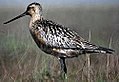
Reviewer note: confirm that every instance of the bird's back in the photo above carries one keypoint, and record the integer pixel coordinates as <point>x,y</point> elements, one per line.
<point>58,40</point>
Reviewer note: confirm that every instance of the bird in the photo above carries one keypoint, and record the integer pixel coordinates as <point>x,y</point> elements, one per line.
<point>55,39</point>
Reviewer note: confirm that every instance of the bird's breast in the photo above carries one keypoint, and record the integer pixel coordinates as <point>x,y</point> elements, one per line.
<point>37,35</point>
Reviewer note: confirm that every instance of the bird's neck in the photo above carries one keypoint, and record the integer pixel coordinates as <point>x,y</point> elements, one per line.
<point>35,18</point>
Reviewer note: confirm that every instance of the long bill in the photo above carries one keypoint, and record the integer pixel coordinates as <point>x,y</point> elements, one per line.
<point>19,16</point>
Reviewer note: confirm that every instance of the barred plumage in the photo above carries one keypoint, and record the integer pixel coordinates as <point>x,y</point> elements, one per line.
<point>56,39</point>
<point>61,40</point>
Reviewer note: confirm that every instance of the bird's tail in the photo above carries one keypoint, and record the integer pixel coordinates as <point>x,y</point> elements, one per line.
<point>100,50</point>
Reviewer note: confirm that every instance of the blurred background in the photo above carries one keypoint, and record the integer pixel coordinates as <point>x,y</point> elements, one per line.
<point>21,60</point>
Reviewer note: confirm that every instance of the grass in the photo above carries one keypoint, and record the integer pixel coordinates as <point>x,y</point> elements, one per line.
<point>21,60</point>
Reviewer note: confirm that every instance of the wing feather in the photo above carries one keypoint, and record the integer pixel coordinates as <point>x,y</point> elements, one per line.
<point>58,36</point>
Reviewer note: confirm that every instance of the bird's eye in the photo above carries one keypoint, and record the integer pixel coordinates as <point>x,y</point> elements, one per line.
<point>32,7</point>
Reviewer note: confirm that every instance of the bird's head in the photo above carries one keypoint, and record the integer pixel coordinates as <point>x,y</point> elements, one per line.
<point>32,10</point>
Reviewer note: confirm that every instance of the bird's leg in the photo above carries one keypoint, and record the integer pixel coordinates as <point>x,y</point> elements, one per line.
<point>63,66</point>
